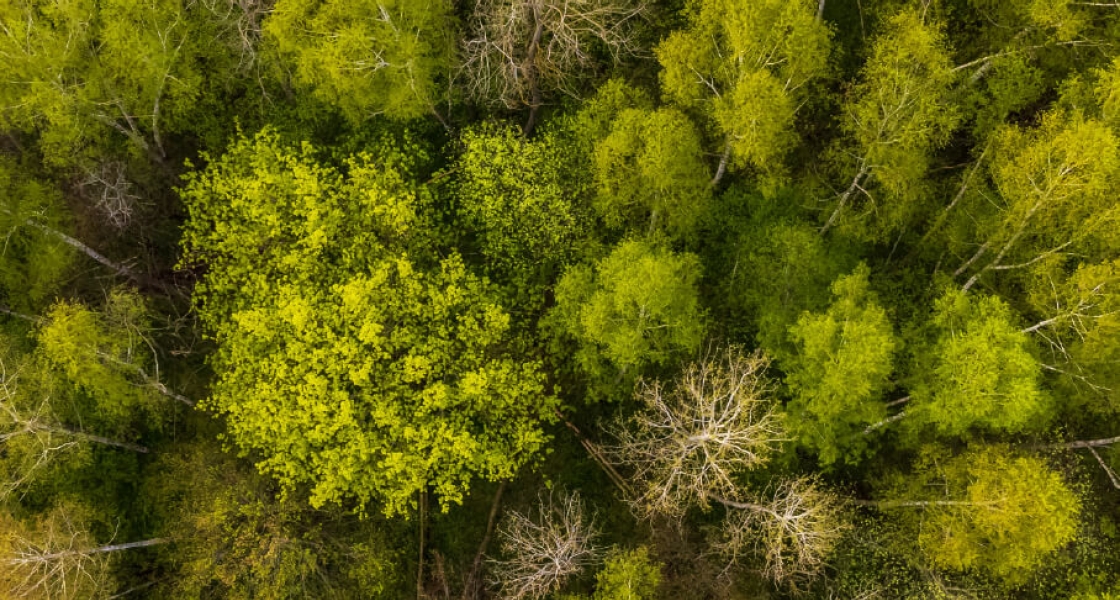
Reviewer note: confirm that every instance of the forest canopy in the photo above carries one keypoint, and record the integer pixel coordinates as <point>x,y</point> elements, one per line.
<point>568,299</point>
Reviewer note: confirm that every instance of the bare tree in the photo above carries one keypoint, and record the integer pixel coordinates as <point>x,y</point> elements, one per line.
<point>111,192</point>
<point>240,26</point>
<point>519,49</point>
<point>689,440</point>
<point>543,552</point>
<point>795,530</point>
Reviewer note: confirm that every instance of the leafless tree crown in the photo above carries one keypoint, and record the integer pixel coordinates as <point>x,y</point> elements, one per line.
<point>542,552</point>
<point>520,47</point>
<point>688,441</point>
<point>794,531</point>
<point>111,192</point>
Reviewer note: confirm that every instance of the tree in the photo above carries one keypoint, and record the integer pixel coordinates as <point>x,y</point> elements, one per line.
<point>639,305</point>
<point>989,509</point>
<point>236,539</point>
<point>81,70</point>
<point>352,359</point>
<point>747,65</point>
<point>978,372</point>
<point>894,118</point>
<point>33,261</point>
<point>107,353</point>
<point>781,269</point>
<point>1078,314</point>
<point>543,552</point>
<point>520,50</point>
<point>650,170</point>
<point>33,433</point>
<point>520,198</point>
<point>628,575</point>
<point>687,442</point>
<point>794,531</point>
<point>688,446</point>
<point>366,57</point>
<point>1055,183</point>
<point>842,367</point>
<point>55,556</point>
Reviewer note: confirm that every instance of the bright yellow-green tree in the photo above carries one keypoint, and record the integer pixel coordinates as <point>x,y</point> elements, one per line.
<point>842,367</point>
<point>978,371</point>
<point>747,65</point>
<point>900,112</point>
<point>81,72</point>
<point>350,359</point>
<point>989,509</point>
<point>638,306</point>
<point>366,57</point>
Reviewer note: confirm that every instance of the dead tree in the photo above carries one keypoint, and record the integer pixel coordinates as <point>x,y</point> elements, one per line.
<point>794,530</point>
<point>543,552</point>
<point>111,192</point>
<point>521,49</point>
<point>690,439</point>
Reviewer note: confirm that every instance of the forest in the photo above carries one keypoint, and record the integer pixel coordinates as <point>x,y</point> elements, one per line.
<point>566,299</point>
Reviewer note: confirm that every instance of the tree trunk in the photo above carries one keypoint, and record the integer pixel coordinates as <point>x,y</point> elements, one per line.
<point>533,75</point>
<point>470,587</point>
<point>117,268</point>
<point>1083,444</point>
<point>884,422</point>
<point>746,506</point>
<point>917,503</point>
<point>89,437</point>
<point>721,169</point>
<point>420,561</point>
<point>100,550</point>
<point>863,171</point>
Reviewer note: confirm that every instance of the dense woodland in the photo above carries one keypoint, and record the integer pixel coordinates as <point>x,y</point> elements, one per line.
<point>576,299</point>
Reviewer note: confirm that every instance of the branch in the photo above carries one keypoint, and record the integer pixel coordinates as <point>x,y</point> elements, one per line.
<point>887,421</point>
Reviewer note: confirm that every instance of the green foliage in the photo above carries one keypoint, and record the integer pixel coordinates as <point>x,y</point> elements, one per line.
<point>31,262</point>
<point>842,366</point>
<point>597,114</point>
<point>345,360</point>
<point>366,57</point>
<point>989,509</point>
<point>747,64</point>
<point>638,306</point>
<point>385,297</point>
<point>101,352</point>
<point>783,268</point>
<point>79,70</point>
<point>978,371</point>
<point>628,575</point>
<point>1056,181</point>
<point>519,199</point>
<point>1058,18</point>
<point>899,113</point>
<point>235,540</point>
<point>650,169</point>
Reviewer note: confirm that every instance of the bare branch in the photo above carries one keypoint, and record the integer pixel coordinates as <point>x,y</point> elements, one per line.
<point>689,440</point>
<point>543,552</point>
<point>520,48</point>
<point>795,530</point>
